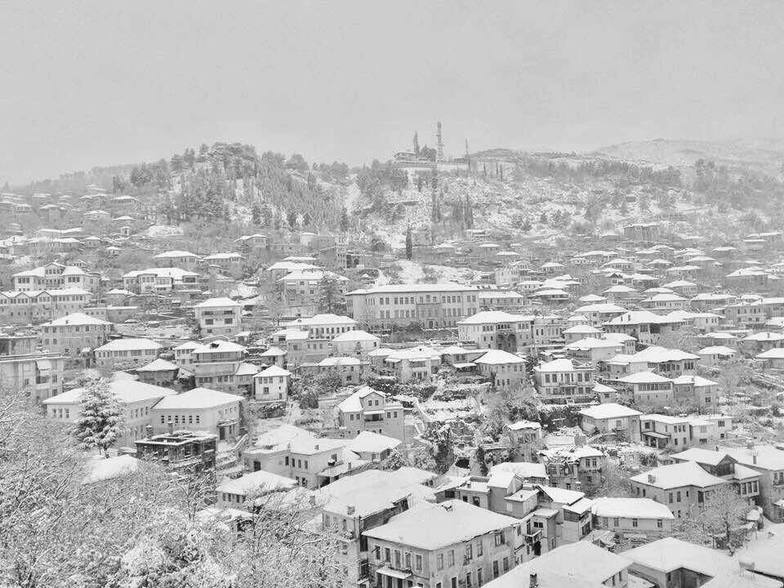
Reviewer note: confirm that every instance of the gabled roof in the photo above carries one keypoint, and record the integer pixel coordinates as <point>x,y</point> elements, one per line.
<point>499,357</point>
<point>678,475</point>
<point>158,365</point>
<point>198,398</point>
<point>642,508</point>
<point>76,318</point>
<point>610,410</point>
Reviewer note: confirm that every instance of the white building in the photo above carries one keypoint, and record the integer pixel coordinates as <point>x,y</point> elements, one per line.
<point>126,353</point>
<point>219,316</point>
<point>200,409</point>
<point>272,384</point>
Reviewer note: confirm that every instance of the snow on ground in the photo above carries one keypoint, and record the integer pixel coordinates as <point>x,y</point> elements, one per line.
<point>162,231</point>
<point>413,272</point>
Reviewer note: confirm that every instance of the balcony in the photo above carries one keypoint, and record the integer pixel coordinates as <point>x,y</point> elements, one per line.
<point>533,537</point>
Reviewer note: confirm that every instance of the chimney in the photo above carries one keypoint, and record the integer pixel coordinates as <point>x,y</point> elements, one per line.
<point>754,457</point>
<point>171,427</point>
<point>533,581</point>
<point>350,510</point>
<point>651,479</point>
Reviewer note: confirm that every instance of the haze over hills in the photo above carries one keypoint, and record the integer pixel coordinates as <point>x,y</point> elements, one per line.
<point>764,155</point>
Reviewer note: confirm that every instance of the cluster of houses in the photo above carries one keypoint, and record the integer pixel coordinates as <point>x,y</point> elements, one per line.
<point>633,351</point>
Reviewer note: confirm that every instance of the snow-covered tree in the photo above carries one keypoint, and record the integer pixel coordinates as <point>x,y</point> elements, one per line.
<point>100,419</point>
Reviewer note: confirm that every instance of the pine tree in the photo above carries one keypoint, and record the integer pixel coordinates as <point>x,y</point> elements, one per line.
<point>100,419</point>
<point>416,144</point>
<point>409,244</point>
<point>255,213</point>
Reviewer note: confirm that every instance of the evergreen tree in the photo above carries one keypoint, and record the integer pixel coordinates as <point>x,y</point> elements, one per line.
<point>330,296</point>
<point>100,419</point>
<point>469,213</point>
<point>344,220</point>
<point>409,244</point>
<point>416,144</point>
<point>255,213</point>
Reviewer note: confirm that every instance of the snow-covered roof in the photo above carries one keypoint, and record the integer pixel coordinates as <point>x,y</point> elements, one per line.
<point>76,318</point>
<point>633,508</point>
<point>355,335</point>
<point>129,344</point>
<point>678,475</point>
<point>369,442</point>
<point>499,357</point>
<point>434,526</point>
<point>273,371</point>
<point>125,391</point>
<point>196,399</point>
<point>258,482</point>
<point>158,365</point>
<point>217,303</point>
<point>644,378</point>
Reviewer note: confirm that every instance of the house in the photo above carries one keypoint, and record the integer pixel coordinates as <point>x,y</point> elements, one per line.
<point>271,384</point>
<point>126,353</point>
<point>672,563</point>
<point>219,316</point>
<point>431,305</point>
<point>159,280</point>
<point>418,363</point>
<point>24,368</point>
<point>220,365</point>
<point>352,506</point>
<point>574,468</point>
<point>181,451</point>
<point>632,516</point>
<point>303,289</point>
<point>497,329</point>
<point>564,381</point>
<point>594,350</point>
<point>768,460</point>
<point>234,493</point>
<point>644,325</point>
<point>611,418</point>
<point>184,259</point>
<point>350,370</point>
<point>158,372</point>
<point>200,409</point>
<point>715,354</point>
<point>647,388</point>
<point>36,306</point>
<point>772,358</point>
<point>683,487</point>
<point>136,398</point>
<point>505,370</point>
<point>576,565</point>
<point>665,432</point>
<point>722,465</point>
<point>75,332</point>
<point>367,409</point>
<point>54,276</point>
<point>354,342</point>
<point>690,390</point>
<point>526,438</point>
<point>435,545</point>
<point>373,447</point>
<point>599,313</point>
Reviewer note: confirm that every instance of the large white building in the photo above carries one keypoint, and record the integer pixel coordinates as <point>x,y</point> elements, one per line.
<point>219,316</point>
<point>431,305</point>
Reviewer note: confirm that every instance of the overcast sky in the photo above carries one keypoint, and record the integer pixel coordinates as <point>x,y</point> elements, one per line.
<point>86,83</point>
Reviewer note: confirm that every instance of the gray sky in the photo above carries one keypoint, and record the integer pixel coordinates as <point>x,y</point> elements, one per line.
<point>98,82</point>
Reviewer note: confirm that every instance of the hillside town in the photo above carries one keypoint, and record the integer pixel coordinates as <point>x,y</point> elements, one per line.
<point>493,408</point>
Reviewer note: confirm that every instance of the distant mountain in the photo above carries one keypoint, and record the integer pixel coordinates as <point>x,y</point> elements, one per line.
<point>762,155</point>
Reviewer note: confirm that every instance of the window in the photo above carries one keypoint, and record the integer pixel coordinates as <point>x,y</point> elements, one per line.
<point>451,558</point>
<point>387,555</point>
<point>440,561</point>
<point>418,562</point>
<point>634,522</point>
<point>479,549</point>
<point>659,523</point>
<point>499,539</point>
<point>469,552</point>
<point>495,569</point>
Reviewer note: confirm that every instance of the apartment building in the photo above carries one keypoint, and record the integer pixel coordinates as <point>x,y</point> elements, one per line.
<point>431,305</point>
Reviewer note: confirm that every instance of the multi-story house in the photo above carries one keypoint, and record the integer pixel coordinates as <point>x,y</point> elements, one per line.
<point>352,506</point>
<point>136,399</point>
<point>199,409</point>
<point>632,516</point>
<point>574,468</point>
<point>419,364</point>
<point>443,546</point>
<point>683,487</point>
<point>370,410</point>
<point>723,465</point>
<point>564,381</point>
<point>225,262</point>
<point>526,437</point>
<point>768,460</point>
<point>646,388</point>
<point>643,325</point>
<point>665,432</point>
<point>302,290</point>
<point>690,390</point>
<point>600,313</point>
<point>560,568</point>
<point>430,305</point>
<point>36,306</point>
<point>234,493</point>
<point>271,384</point>
<point>55,276</point>
<point>75,332</point>
<point>184,259</point>
<point>611,418</point>
<point>355,343</point>
<point>24,368</point>
<point>120,354</point>
<point>504,370</point>
<point>220,365</point>
<point>159,280</point>
<point>219,316</point>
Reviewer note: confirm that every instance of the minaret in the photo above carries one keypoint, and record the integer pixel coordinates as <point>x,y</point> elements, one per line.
<point>439,143</point>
